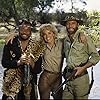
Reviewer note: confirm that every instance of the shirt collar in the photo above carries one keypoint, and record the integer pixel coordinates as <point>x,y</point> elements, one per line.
<point>56,41</point>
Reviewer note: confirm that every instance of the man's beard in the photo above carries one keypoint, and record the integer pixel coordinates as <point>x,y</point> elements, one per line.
<point>23,39</point>
<point>72,32</point>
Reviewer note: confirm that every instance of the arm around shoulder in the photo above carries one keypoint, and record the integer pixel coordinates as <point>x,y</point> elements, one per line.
<point>10,37</point>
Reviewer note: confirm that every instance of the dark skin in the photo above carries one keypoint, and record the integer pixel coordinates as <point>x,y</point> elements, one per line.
<point>24,34</point>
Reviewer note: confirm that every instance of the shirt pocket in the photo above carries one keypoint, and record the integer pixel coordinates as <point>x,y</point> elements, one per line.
<point>78,46</point>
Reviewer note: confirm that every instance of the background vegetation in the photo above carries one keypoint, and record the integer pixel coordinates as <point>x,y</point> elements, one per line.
<point>38,12</point>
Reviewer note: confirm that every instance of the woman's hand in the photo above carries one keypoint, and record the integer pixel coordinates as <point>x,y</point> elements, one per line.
<point>83,38</point>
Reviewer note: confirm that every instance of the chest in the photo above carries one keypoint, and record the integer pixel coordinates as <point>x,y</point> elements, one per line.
<point>54,53</point>
<point>23,45</point>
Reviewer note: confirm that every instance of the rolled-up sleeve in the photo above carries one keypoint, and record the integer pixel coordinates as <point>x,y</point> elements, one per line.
<point>94,55</point>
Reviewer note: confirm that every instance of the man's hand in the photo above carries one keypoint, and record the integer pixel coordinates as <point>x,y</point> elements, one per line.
<point>10,37</point>
<point>24,59</point>
<point>80,70</point>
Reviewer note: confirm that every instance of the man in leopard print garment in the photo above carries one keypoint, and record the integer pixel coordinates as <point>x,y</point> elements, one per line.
<point>23,51</point>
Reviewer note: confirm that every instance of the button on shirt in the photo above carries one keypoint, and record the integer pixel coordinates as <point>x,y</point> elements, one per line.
<point>52,59</point>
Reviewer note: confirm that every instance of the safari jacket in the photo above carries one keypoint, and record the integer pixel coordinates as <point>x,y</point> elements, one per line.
<point>79,53</point>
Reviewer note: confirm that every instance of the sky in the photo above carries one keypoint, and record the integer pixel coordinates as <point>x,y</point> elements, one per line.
<point>91,5</point>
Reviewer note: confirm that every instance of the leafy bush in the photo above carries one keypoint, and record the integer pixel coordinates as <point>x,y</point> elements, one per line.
<point>2,41</point>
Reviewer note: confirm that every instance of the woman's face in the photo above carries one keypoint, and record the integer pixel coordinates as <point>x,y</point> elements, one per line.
<point>48,36</point>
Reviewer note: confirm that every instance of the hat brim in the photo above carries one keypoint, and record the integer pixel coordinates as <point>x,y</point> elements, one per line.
<point>64,21</point>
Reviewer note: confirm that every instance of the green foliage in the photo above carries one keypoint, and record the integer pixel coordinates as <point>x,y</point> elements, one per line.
<point>23,9</point>
<point>38,10</point>
<point>93,19</point>
<point>93,26</point>
<point>94,33</point>
<point>2,41</point>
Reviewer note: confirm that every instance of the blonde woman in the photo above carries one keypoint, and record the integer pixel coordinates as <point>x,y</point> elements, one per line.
<point>52,62</point>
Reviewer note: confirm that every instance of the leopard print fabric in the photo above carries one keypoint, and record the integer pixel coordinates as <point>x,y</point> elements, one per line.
<point>12,82</point>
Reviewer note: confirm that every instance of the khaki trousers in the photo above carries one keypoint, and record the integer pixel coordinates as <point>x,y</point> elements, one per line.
<point>77,88</point>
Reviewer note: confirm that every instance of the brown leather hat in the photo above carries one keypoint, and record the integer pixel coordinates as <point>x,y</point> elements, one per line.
<point>70,17</point>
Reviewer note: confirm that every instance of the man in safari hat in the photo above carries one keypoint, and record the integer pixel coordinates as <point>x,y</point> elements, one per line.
<point>79,56</point>
<point>72,16</point>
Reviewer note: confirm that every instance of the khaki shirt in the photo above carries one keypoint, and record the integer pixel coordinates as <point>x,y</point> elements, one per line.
<point>52,58</point>
<point>78,53</point>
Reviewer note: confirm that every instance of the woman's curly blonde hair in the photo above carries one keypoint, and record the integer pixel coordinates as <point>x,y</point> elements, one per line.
<point>50,27</point>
